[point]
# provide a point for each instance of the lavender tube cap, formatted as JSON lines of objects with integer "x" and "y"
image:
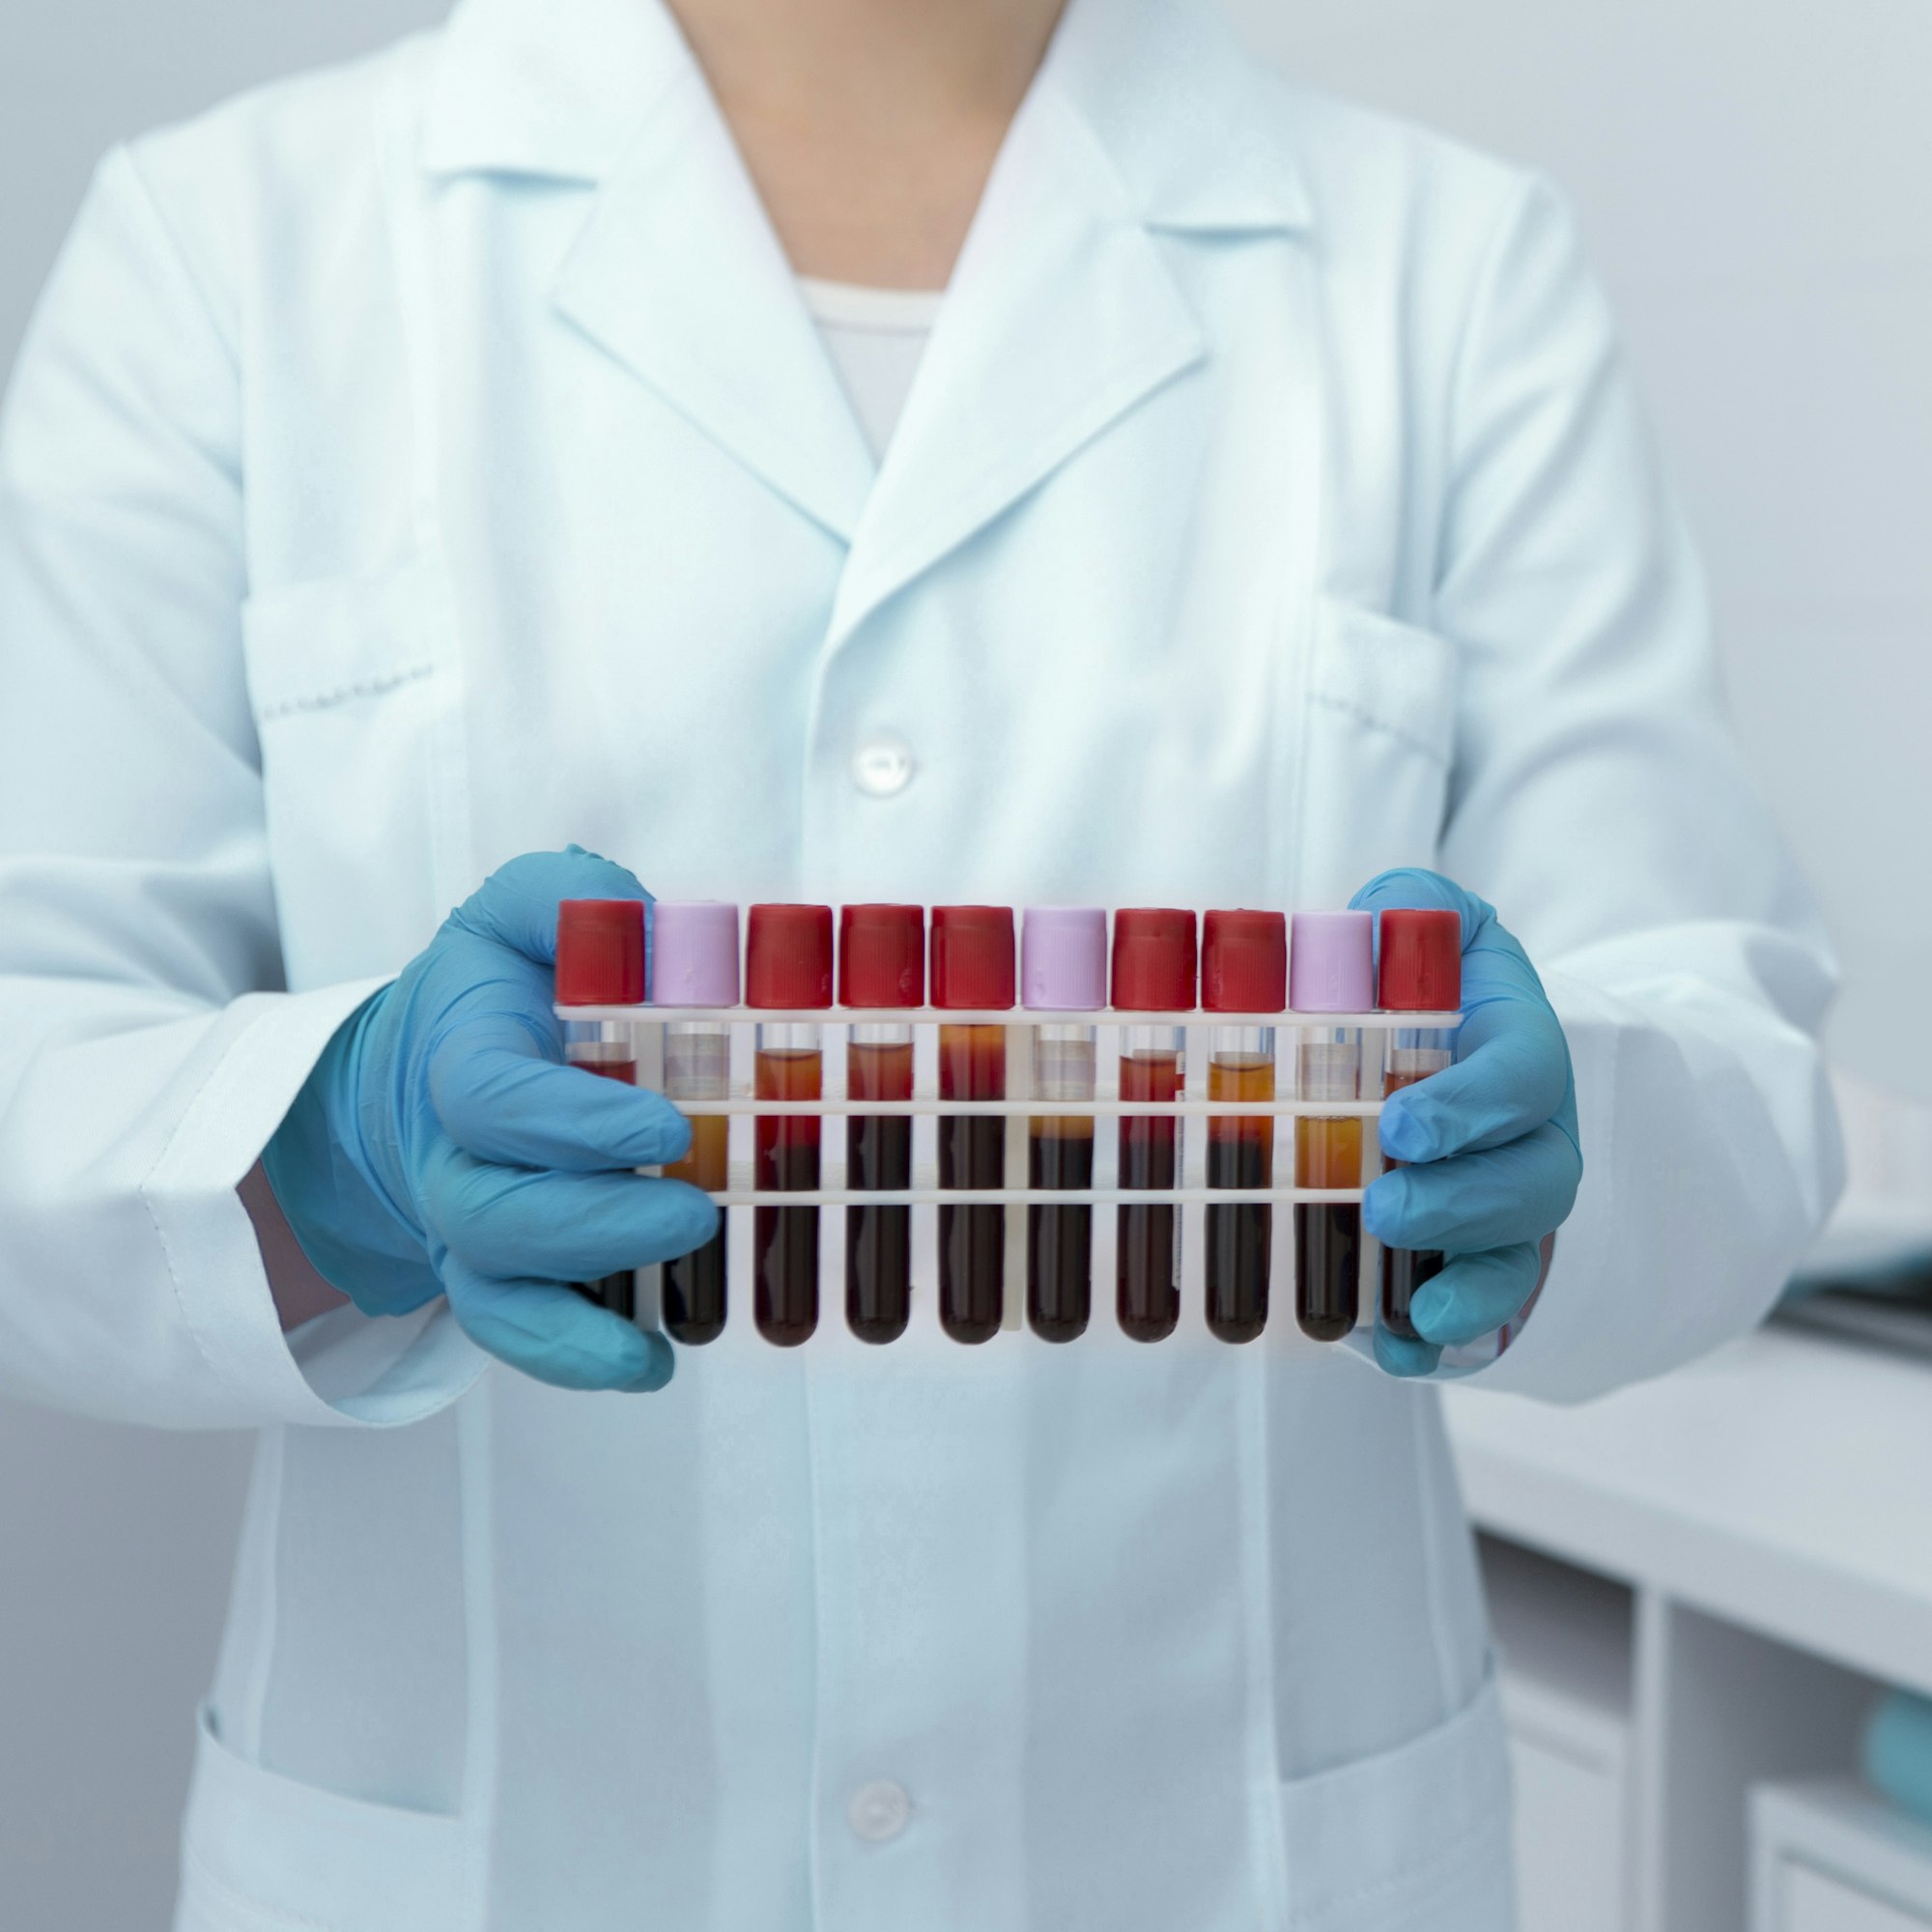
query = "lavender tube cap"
{"x": 1331, "y": 962}
{"x": 694, "y": 952}
{"x": 1063, "y": 959}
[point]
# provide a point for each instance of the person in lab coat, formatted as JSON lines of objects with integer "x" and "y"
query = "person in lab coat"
{"x": 550, "y": 430}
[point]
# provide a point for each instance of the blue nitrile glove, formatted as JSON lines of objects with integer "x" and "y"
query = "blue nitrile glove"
{"x": 1490, "y": 1143}
{"x": 441, "y": 1146}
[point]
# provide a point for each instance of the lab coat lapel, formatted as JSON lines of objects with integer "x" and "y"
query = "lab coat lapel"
{"x": 1059, "y": 318}
{"x": 1145, "y": 123}
{"x": 676, "y": 272}
{"x": 1063, "y": 315}
{"x": 678, "y": 275}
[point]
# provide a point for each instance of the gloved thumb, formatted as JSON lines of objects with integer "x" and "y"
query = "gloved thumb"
{"x": 1418, "y": 887}
{"x": 516, "y": 905}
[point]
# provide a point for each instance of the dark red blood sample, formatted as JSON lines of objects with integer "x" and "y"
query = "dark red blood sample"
{"x": 1146, "y": 1270}
{"x": 785, "y": 1240}
{"x": 1060, "y": 1235}
{"x": 972, "y": 1153}
{"x": 878, "y": 1155}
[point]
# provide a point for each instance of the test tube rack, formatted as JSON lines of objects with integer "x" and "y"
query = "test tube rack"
{"x": 643, "y": 1029}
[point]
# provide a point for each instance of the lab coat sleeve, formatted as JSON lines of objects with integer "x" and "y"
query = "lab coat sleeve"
{"x": 146, "y": 1055}
{"x": 1600, "y": 801}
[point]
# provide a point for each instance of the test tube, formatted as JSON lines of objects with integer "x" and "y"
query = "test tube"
{"x": 694, "y": 964}
{"x": 1421, "y": 972}
{"x": 1155, "y": 960}
{"x": 1063, "y": 969}
{"x": 972, "y": 971}
{"x": 1244, "y": 970}
{"x": 600, "y": 962}
{"x": 881, "y": 964}
{"x": 787, "y": 967}
{"x": 1332, "y": 971}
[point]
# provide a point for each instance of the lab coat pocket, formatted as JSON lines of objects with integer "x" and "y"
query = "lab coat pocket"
{"x": 1415, "y": 1840}
{"x": 1378, "y": 740}
{"x": 358, "y": 710}
{"x": 262, "y": 1852}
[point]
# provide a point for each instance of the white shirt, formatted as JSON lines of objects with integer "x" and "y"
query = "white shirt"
{"x": 875, "y": 338}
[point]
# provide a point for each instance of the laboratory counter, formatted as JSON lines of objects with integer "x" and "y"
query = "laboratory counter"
{"x": 1701, "y": 1586}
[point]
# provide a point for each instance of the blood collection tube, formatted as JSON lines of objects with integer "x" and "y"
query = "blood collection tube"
{"x": 600, "y": 962}
{"x": 1332, "y": 971}
{"x": 1421, "y": 972}
{"x": 972, "y": 971}
{"x": 1244, "y": 970}
{"x": 1063, "y": 969}
{"x": 881, "y": 964}
{"x": 787, "y": 966}
{"x": 694, "y": 964}
{"x": 1154, "y": 958}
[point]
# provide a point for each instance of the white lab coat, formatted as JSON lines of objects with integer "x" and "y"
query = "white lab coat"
{"x": 431, "y": 460}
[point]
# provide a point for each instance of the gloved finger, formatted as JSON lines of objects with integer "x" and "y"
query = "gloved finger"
{"x": 1510, "y": 1075}
{"x": 501, "y": 1095}
{"x": 551, "y": 1332}
{"x": 1475, "y": 1201}
{"x": 510, "y": 1221}
{"x": 516, "y": 905}
{"x": 1402, "y": 1355}
{"x": 1475, "y": 1295}
{"x": 1417, "y": 885}
{"x": 1494, "y": 965}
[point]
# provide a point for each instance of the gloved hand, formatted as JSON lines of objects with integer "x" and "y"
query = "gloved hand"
{"x": 1492, "y": 1159}
{"x": 442, "y": 1147}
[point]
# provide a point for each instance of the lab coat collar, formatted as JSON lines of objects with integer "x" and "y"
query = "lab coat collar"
{"x": 676, "y": 272}
{"x": 552, "y": 88}
{"x": 1198, "y": 133}
{"x": 1193, "y": 129}
{"x": 1062, "y": 316}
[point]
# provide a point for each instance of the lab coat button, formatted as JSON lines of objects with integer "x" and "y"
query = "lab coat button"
{"x": 879, "y": 1812}
{"x": 882, "y": 767}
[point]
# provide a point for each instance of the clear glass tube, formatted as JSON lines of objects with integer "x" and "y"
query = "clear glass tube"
{"x": 972, "y": 1153}
{"x": 1328, "y": 1154}
{"x": 790, "y": 1066}
{"x": 1414, "y": 1053}
{"x": 1146, "y": 1271}
{"x": 1241, "y": 1153}
{"x": 607, "y": 1049}
{"x": 602, "y": 1046}
{"x": 1059, "y": 1155}
{"x": 878, "y": 1155}
{"x": 697, "y": 1066}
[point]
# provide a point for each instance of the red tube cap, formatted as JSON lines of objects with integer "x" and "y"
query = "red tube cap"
{"x": 788, "y": 956}
{"x": 600, "y": 952}
{"x": 1244, "y": 962}
{"x": 1421, "y": 966}
{"x": 881, "y": 955}
{"x": 973, "y": 958}
{"x": 1153, "y": 960}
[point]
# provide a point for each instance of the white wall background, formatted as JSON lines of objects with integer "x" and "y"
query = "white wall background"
{"x": 1758, "y": 182}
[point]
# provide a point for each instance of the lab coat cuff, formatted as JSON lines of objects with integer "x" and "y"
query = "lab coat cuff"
{"x": 340, "y": 1368}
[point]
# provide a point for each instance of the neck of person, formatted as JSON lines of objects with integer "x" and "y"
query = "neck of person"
{"x": 870, "y": 126}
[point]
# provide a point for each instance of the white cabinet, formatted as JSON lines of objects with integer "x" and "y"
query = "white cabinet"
{"x": 1700, "y": 1587}
{"x": 1813, "y": 1901}
{"x": 1827, "y": 1857}
{"x": 1564, "y": 1641}
{"x": 1569, "y": 1829}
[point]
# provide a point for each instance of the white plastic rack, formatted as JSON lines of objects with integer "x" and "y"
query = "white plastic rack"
{"x": 643, "y": 1029}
